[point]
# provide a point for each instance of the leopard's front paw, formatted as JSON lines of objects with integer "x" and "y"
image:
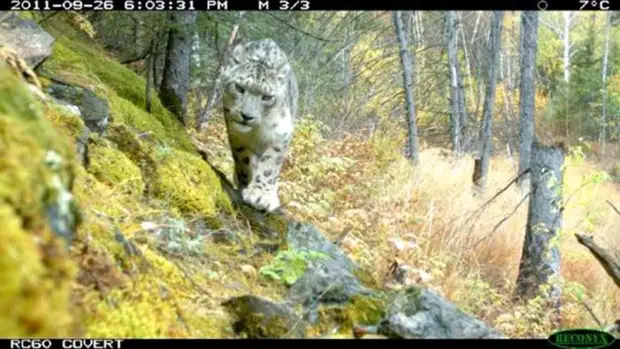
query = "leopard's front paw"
{"x": 261, "y": 199}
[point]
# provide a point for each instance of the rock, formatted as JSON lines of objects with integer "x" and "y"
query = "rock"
{"x": 94, "y": 110}
{"x": 305, "y": 237}
{"x": 63, "y": 211}
{"x": 258, "y": 317}
{"x": 81, "y": 147}
{"x": 421, "y": 313}
{"x": 26, "y": 37}
{"x": 331, "y": 280}
{"x": 325, "y": 281}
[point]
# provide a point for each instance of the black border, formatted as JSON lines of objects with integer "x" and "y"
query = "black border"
{"x": 287, "y": 343}
{"x": 330, "y": 5}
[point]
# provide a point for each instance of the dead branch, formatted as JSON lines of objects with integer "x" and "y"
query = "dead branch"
{"x": 591, "y": 311}
{"x": 502, "y": 221}
{"x": 481, "y": 209}
{"x": 607, "y": 260}
{"x": 614, "y": 207}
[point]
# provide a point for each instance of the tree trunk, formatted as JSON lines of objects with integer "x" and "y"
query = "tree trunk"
{"x": 150, "y": 69}
{"x": 603, "y": 135}
{"x": 205, "y": 113}
{"x": 175, "y": 82}
{"x": 453, "y": 64}
{"x": 407, "y": 64}
{"x": 489, "y": 100}
{"x": 540, "y": 260}
{"x": 529, "y": 43}
{"x": 568, "y": 19}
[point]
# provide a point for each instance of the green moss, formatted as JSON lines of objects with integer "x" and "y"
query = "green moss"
{"x": 367, "y": 310}
{"x": 190, "y": 184}
{"x": 140, "y": 152}
{"x": 152, "y": 305}
{"x": 412, "y": 305}
{"x": 362, "y": 310}
{"x": 81, "y": 63}
{"x": 35, "y": 270}
{"x": 65, "y": 122}
{"x": 366, "y": 278}
{"x": 288, "y": 266}
{"x": 112, "y": 167}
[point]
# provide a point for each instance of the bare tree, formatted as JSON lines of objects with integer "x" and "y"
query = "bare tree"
{"x": 562, "y": 30}
{"x": 407, "y": 64}
{"x": 529, "y": 46}
{"x": 486, "y": 141}
{"x": 175, "y": 83}
{"x": 540, "y": 260}
{"x": 602, "y": 134}
{"x": 458, "y": 115}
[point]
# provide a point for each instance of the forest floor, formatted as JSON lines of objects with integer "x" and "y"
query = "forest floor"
{"x": 361, "y": 190}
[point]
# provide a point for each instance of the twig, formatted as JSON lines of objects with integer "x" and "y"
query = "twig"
{"x": 614, "y": 207}
{"x": 611, "y": 265}
{"x": 190, "y": 279}
{"x": 316, "y": 301}
{"x": 502, "y": 221}
{"x": 299, "y": 30}
{"x": 139, "y": 57}
{"x": 342, "y": 235}
{"x": 589, "y": 309}
{"x": 50, "y": 16}
{"x": 480, "y": 210}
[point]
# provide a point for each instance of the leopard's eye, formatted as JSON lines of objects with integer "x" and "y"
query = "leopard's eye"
{"x": 239, "y": 88}
{"x": 268, "y": 98}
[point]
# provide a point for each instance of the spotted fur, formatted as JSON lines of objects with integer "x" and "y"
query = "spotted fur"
{"x": 260, "y": 106}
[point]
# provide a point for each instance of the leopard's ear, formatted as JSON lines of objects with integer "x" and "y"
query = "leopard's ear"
{"x": 282, "y": 75}
{"x": 238, "y": 53}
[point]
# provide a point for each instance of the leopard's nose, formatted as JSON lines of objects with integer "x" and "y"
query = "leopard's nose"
{"x": 247, "y": 117}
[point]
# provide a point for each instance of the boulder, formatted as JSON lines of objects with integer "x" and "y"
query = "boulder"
{"x": 306, "y": 237}
{"x": 31, "y": 42}
{"x": 258, "y": 317}
{"x": 324, "y": 282}
{"x": 328, "y": 280}
{"x": 93, "y": 109}
{"x": 422, "y": 313}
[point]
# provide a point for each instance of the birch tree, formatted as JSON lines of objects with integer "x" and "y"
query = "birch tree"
{"x": 603, "y": 135}
{"x": 458, "y": 116}
{"x": 406, "y": 61}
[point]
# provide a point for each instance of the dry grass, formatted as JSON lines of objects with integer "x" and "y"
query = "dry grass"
{"x": 430, "y": 219}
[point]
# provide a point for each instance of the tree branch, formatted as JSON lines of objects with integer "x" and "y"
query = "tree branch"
{"x": 299, "y": 30}
{"x": 607, "y": 260}
{"x": 614, "y": 207}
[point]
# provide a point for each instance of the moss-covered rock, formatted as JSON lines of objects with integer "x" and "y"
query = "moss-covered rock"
{"x": 190, "y": 184}
{"x": 84, "y": 65}
{"x": 112, "y": 167}
{"x": 94, "y": 110}
{"x": 36, "y": 174}
{"x": 361, "y": 310}
{"x": 257, "y": 317}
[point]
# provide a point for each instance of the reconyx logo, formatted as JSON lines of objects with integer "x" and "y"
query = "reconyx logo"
{"x": 581, "y": 338}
